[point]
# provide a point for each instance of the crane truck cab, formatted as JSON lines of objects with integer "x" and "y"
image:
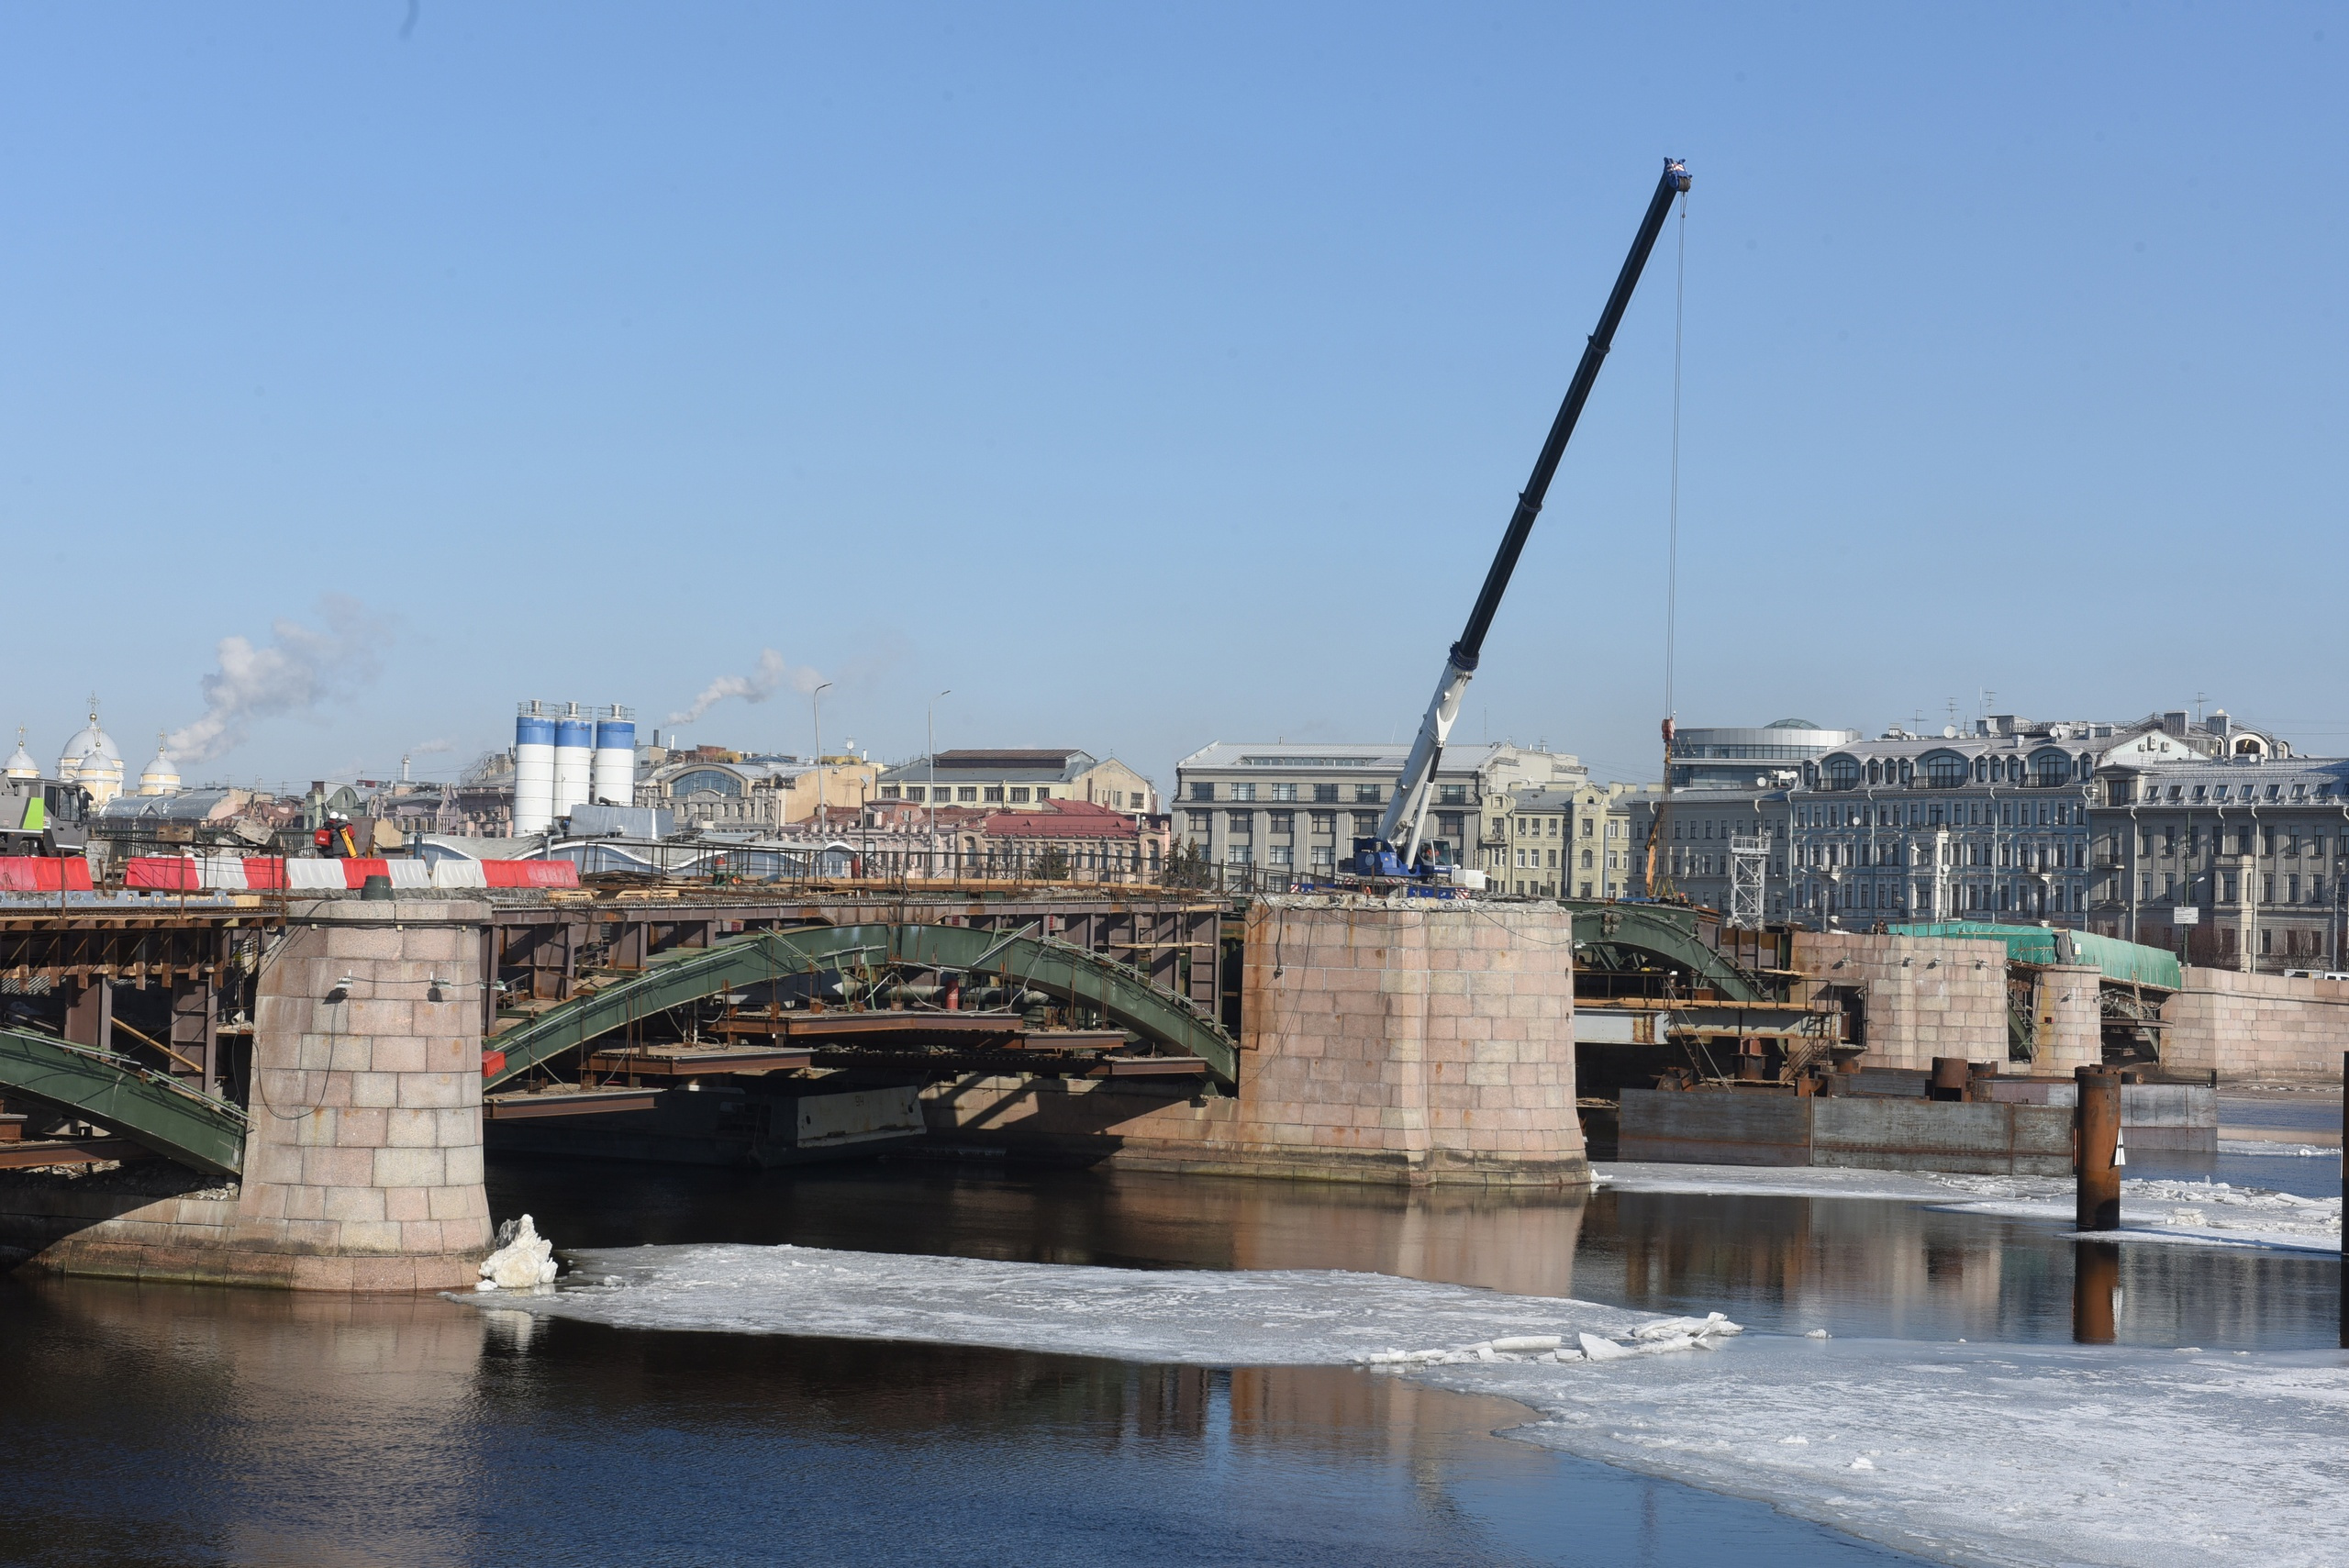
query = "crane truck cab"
{"x": 43, "y": 817}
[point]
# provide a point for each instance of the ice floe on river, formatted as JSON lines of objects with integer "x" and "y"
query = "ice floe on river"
{"x": 2205, "y": 1213}
{"x": 2040, "y": 1455}
{"x": 1200, "y": 1316}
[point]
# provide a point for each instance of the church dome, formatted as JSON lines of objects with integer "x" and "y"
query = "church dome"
{"x": 91, "y": 745}
{"x": 91, "y": 760}
{"x": 161, "y": 777}
{"x": 21, "y": 766}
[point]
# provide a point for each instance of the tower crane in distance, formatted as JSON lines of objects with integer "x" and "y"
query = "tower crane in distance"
{"x": 1398, "y": 850}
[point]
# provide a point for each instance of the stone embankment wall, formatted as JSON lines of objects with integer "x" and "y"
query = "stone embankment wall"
{"x": 1416, "y": 1041}
{"x": 2257, "y": 1027}
{"x": 1925, "y": 997}
{"x": 362, "y": 1169}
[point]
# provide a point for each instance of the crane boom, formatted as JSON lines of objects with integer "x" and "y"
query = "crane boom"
{"x": 1410, "y": 805}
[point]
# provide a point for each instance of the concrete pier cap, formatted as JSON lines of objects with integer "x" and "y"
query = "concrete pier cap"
{"x": 363, "y": 1167}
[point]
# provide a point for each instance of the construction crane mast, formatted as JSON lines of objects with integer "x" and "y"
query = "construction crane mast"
{"x": 1396, "y": 852}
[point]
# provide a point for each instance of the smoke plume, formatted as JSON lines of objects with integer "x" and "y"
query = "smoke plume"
{"x": 301, "y": 667}
{"x": 432, "y": 748}
{"x": 761, "y": 683}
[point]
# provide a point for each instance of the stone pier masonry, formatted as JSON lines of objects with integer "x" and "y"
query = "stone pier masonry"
{"x": 1413, "y": 1042}
{"x": 362, "y": 1169}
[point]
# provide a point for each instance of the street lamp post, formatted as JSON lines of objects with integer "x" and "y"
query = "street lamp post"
{"x": 929, "y": 736}
{"x": 816, "y": 700}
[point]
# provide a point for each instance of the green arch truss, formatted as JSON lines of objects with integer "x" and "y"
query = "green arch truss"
{"x": 1070, "y": 974}
{"x": 1666, "y": 934}
{"x": 149, "y": 1109}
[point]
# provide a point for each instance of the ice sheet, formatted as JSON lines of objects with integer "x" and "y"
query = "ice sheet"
{"x": 2038, "y": 1456}
{"x": 2204, "y": 1213}
{"x": 1289, "y": 1318}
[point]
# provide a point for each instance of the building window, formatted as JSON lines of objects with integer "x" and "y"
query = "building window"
{"x": 1325, "y": 855}
{"x": 1325, "y": 822}
{"x": 1238, "y": 854}
{"x": 888, "y": 791}
{"x": 1283, "y": 792}
{"x": 1945, "y": 770}
{"x": 1586, "y": 860}
{"x": 1239, "y": 824}
{"x": 1203, "y": 792}
{"x": 1283, "y": 821}
{"x": 1243, "y": 791}
{"x": 1366, "y": 793}
{"x": 1325, "y": 793}
{"x": 1202, "y": 821}
{"x": 1282, "y": 855}
{"x": 967, "y": 792}
{"x": 993, "y": 793}
{"x": 914, "y": 793}
{"x": 1450, "y": 824}
{"x": 1365, "y": 824}
{"x": 1452, "y": 795}
{"x": 705, "y": 780}
{"x": 1843, "y": 772}
{"x": 1020, "y": 794}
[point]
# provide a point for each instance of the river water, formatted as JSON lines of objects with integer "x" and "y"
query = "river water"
{"x": 175, "y": 1424}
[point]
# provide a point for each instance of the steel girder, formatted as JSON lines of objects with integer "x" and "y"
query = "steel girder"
{"x": 1667, "y": 934}
{"x": 674, "y": 979}
{"x": 146, "y": 1107}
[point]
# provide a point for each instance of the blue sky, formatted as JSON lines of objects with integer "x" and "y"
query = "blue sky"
{"x": 1156, "y": 376}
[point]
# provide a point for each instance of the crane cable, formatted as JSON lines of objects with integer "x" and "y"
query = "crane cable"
{"x": 1652, "y": 886}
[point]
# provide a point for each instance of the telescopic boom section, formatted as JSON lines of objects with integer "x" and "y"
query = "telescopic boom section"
{"x": 1410, "y": 803}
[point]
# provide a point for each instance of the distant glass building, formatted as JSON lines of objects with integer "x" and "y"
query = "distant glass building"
{"x": 1768, "y": 758}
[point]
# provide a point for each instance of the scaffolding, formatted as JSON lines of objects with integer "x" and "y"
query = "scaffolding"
{"x": 1749, "y": 875}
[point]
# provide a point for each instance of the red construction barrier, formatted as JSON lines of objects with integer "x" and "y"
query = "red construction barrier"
{"x": 264, "y": 874}
{"x": 529, "y": 874}
{"x": 44, "y": 873}
{"x": 492, "y": 1061}
{"x": 163, "y": 874}
{"x": 355, "y": 873}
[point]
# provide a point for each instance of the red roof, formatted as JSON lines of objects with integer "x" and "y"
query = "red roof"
{"x": 1063, "y": 819}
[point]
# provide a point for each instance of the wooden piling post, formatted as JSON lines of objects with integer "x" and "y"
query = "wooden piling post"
{"x": 2096, "y": 1139}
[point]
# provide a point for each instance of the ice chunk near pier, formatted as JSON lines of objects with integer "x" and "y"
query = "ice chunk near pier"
{"x": 524, "y": 1258}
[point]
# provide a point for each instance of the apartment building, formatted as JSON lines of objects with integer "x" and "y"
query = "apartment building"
{"x": 1300, "y": 806}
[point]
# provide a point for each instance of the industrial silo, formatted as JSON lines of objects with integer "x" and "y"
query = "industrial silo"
{"x": 533, "y": 770}
{"x": 574, "y": 758}
{"x": 616, "y": 756}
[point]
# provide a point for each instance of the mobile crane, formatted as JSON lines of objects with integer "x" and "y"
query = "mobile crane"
{"x": 1397, "y": 851}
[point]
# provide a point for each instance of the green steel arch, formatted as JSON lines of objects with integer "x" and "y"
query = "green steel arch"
{"x": 151, "y": 1109}
{"x": 683, "y": 975}
{"x": 1665, "y": 934}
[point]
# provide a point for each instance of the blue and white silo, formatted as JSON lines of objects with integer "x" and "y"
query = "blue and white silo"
{"x": 574, "y": 758}
{"x": 616, "y": 756}
{"x": 533, "y": 769}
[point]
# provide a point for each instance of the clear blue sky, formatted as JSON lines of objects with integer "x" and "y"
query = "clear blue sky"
{"x": 1151, "y": 376}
